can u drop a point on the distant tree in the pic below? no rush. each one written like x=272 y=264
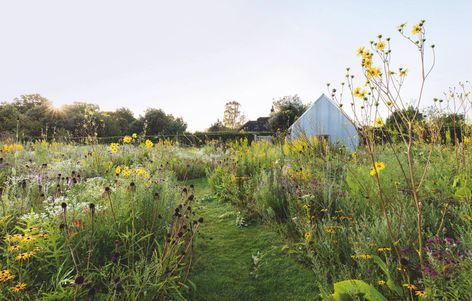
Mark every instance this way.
x=218 y=126
x=285 y=111
x=159 y=122
x=233 y=118
x=80 y=118
x=8 y=116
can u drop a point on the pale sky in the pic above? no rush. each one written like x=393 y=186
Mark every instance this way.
x=191 y=57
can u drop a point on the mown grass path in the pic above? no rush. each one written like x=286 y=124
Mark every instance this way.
x=223 y=265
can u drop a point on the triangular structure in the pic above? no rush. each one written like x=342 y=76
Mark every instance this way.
x=325 y=119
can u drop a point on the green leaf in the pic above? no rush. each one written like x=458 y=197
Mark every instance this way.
x=390 y=283
x=345 y=290
x=463 y=193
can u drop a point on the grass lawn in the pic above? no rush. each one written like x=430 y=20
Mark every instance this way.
x=223 y=265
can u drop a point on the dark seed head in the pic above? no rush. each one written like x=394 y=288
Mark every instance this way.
x=79 y=280
x=64 y=205
x=200 y=220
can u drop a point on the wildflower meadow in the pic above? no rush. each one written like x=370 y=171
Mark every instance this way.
x=142 y=217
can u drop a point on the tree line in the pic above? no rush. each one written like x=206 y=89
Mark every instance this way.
x=33 y=116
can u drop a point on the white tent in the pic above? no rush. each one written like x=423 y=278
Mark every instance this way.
x=324 y=118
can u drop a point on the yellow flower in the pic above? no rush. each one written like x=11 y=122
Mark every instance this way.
x=389 y=103
x=358 y=92
x=379 y=166
x=149 y=143
x=381 y=282
x=134 y=135
x=307 y=235
x=403 y=72
x=379 y=122
x=127 y=139
x=24 y=256
x=126 y=171
x=19 y=287
x=384 y=249
x=114 y=148
x=416 y=29
x=373 y=72
x=360 y=51
x=6 y=275
x=380 y=46
x=118 y=170
x=409 y=286
x=324 y=210
x=420 y=293
x=14 y=248
x=28 y=238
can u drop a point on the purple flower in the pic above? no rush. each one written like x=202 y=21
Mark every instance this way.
x=38 y=179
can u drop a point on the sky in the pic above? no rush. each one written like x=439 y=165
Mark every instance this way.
x=191 y=57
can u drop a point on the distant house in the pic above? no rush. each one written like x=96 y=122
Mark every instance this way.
x=325 y=119
x=259 y=125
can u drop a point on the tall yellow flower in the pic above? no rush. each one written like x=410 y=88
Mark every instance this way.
x=307 y=235
x=114 y=148
x=358 y=92
x=380 y=46
x=149 y=143
x=360 y=51
x=373 y=72
x=118 y=169
x=127 y=139
x=416 y=29
x=379 y=122
x=403 y=72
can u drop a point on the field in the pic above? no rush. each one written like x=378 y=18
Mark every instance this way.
x=143 y=217
x=259 y=221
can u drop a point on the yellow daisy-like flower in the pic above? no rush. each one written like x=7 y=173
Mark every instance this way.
x=126 y=171
x=379 y=166
x=416 y=29
x=114 y=148
x=28 y=238
x=19 y=287
x=373 y=72
x=6 y=275
x=381 y=282
x=403 y=72
x=380 y=46
x=24 y=256
x=358 y=92
x=379 y=122
x=420 y=294
x=360 y=51
x=118 y=170
x=14 y=248
x=409 y=286
x=149 y=143
x=307 y=235
x=354 y=155
x=127 y=139
x=384 y=249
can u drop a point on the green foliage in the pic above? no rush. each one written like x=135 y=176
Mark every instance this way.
x=351 y=289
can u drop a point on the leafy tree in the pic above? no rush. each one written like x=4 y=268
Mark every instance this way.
x=159 y=122
x=218 y=126
x=285 y=111
x=233 y=118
